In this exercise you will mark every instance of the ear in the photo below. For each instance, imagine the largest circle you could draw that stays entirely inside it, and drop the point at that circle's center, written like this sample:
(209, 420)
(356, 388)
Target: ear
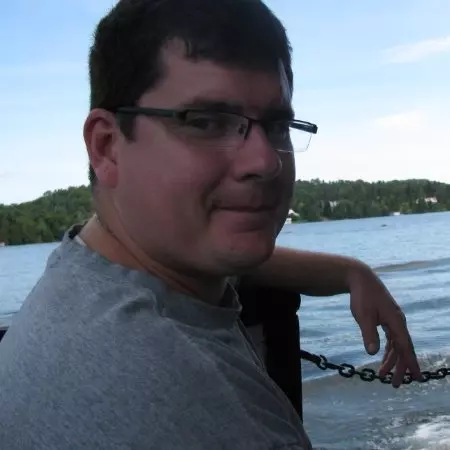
(102, 137)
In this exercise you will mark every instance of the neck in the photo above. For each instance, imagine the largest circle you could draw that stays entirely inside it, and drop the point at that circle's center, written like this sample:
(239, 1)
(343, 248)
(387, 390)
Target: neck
(118, 248)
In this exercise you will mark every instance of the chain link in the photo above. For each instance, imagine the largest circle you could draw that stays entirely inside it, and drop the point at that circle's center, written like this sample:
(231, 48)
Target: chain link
(369, 375)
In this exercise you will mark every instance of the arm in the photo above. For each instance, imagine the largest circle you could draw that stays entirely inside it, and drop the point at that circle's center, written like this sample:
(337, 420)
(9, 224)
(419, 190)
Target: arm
(308, 273)
(371, 304)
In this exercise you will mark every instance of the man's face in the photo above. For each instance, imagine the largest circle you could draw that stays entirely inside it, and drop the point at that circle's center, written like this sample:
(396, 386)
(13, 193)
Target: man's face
(209, 210)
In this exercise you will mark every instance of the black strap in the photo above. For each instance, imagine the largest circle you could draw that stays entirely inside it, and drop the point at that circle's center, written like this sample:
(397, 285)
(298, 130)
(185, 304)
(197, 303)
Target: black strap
(276, 310)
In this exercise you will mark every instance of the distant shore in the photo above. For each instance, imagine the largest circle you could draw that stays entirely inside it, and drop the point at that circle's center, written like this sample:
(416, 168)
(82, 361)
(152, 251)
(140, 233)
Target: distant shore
(47, 218)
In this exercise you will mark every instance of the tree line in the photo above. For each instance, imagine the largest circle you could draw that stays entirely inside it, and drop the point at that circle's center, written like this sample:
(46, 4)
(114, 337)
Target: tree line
(318, 200)
(47, 218)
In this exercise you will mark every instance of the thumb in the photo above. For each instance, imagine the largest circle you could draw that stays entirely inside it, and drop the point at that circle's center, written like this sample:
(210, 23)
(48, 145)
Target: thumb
(368, 326)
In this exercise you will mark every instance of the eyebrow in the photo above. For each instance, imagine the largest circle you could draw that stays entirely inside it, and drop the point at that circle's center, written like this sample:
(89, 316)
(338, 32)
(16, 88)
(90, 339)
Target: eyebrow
(272, 112)
(214, 105)
(279, 113)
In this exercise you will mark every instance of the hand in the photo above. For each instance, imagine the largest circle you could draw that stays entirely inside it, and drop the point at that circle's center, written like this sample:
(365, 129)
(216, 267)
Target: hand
(372, 305)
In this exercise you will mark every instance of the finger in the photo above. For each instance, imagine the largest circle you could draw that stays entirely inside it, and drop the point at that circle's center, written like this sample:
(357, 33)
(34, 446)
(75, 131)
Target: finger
(389, 363)
(400, 370)
(411, 362)
(387, 349)
(403, 345)
(368, 325)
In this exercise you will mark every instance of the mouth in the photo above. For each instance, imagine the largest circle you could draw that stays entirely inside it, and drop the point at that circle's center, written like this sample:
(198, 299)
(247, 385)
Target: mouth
(260, 217)
(251, 208)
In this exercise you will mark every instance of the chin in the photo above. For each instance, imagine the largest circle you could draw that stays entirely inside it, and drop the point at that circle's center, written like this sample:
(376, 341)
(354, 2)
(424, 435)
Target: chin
(247, 253)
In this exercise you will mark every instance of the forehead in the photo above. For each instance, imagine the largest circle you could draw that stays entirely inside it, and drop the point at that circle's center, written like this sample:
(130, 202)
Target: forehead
(189, 83)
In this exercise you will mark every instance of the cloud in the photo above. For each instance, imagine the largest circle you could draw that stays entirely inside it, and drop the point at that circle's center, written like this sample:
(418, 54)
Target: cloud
(409, 144)
(402, 121)
(417, 51)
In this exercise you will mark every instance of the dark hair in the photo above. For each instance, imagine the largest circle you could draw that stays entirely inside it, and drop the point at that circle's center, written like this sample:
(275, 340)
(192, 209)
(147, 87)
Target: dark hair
(124, 60)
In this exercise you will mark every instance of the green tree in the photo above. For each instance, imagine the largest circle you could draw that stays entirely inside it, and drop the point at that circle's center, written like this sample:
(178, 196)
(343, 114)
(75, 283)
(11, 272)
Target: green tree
(48, 217)
(45, 219)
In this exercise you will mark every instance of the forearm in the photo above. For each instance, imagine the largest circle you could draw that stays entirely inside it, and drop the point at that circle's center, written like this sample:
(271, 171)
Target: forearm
(308, 273)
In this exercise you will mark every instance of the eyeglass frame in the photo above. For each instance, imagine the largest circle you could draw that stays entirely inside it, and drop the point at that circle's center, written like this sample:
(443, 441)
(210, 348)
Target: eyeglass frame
(180, 114)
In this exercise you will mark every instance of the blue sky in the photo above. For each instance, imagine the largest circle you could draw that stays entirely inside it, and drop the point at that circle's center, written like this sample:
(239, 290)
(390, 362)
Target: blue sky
(373, 75)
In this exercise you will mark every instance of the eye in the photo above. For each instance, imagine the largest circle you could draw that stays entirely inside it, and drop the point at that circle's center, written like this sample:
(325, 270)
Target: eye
(207, 122)
(241, 129)
(211, 125)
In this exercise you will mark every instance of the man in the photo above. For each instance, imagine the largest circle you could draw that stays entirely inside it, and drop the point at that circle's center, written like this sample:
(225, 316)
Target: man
(132, 338)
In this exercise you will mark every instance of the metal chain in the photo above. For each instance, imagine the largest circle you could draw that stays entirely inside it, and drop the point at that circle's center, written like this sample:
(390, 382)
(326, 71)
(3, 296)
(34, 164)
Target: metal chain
(366, 374)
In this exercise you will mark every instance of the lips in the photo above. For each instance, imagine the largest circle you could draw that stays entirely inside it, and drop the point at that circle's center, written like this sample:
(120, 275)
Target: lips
(248, 203)
(250, 208)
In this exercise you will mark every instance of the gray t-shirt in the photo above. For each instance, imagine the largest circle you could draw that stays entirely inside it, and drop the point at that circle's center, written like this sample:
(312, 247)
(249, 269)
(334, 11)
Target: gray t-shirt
(102, 357)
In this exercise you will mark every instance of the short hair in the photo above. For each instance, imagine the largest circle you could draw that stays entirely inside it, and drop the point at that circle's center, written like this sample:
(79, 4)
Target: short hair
(124, 60)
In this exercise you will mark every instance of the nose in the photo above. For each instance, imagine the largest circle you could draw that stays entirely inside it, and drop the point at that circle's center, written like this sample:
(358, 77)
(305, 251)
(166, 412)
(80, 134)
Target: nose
(257, 159)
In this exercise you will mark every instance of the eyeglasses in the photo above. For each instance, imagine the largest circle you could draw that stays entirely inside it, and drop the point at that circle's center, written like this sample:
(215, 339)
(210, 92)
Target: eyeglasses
(228, 131)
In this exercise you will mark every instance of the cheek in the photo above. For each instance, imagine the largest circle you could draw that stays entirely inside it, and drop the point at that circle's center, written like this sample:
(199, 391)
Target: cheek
(288, 161)
(288, 174)
(171, 182)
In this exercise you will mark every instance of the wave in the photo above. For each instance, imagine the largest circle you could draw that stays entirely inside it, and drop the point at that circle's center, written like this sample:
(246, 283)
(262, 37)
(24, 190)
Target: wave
(374, 416)
(413, 265)
(435, 434)
(429, 305)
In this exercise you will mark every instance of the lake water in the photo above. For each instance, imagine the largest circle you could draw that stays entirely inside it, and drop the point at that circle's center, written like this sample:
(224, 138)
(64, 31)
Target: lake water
(412, 256)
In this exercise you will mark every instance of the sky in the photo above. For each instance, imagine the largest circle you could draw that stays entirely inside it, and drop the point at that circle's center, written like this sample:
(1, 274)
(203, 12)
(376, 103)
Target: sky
(374, 76)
